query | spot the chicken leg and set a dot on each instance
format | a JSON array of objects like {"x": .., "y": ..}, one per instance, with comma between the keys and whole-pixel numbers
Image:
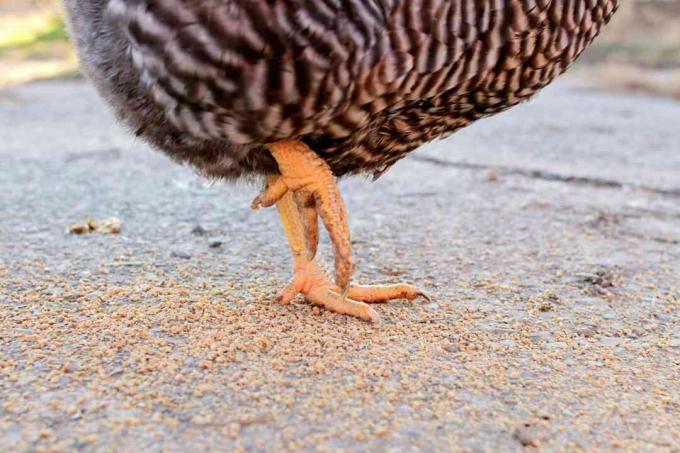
[{"x": 305, "y": 190}]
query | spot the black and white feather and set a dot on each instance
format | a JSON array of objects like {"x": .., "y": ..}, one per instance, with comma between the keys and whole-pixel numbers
[{"x": 363, "y": 82}]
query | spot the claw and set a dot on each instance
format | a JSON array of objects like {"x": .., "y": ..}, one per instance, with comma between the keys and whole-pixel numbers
[
  {"x": 275, "y": 190},
  {"x": 287, "y": 294}
]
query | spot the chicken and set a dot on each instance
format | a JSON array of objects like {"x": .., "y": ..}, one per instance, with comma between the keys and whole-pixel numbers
[{"x": 301, "y": 92}]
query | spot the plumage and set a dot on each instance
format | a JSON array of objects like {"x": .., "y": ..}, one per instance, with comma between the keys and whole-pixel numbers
[{"x": 362, "y": 82}]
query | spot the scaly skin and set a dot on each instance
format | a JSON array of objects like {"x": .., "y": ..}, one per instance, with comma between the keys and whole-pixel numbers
[
  {"x": 304, "y": 191},
  {"x": 303, "y": 172}
]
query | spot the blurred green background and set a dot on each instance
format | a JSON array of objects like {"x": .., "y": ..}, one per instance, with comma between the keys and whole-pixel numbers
[
  {"x": 33, "y": 42},
  {"x": 639, "y": 51}
]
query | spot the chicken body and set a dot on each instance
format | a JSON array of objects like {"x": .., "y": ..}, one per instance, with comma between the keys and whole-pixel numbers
[{"x": 362, "y": 82}]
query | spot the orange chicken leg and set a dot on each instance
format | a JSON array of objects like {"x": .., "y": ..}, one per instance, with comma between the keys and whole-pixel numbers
[{"x": 304, "y": 191}]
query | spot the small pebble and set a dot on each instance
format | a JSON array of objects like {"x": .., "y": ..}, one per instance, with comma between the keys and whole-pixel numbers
[
  {"x": 588, "y": 331},
  {"x": 79, "y": 228},
  {"x": 527, "y": 436},
  {"x": 88, "y": 226},
  {"x": 452, "y": 348},
  {"x": 198, "y": 230},
  {"x": 111, "y": 225}
]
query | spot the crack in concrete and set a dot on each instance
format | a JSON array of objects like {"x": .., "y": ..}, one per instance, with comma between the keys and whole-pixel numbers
[{"x": 548, "y": 176}]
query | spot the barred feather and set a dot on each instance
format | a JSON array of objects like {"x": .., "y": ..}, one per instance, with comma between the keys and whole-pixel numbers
[{"x": 363, "y": 82}]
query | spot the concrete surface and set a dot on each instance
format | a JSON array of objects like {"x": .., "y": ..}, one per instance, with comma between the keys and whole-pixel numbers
[{"x": 549, "y": 235}]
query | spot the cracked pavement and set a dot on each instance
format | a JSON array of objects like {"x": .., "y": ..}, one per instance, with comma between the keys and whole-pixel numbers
[{"x": 549, "y": 236}]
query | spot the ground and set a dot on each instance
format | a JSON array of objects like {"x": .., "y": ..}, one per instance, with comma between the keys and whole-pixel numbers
[{"x": 548, "y": 236}]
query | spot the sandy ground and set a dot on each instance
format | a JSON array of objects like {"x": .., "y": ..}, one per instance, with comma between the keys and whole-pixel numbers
[{"x": 549, "y": 236}]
